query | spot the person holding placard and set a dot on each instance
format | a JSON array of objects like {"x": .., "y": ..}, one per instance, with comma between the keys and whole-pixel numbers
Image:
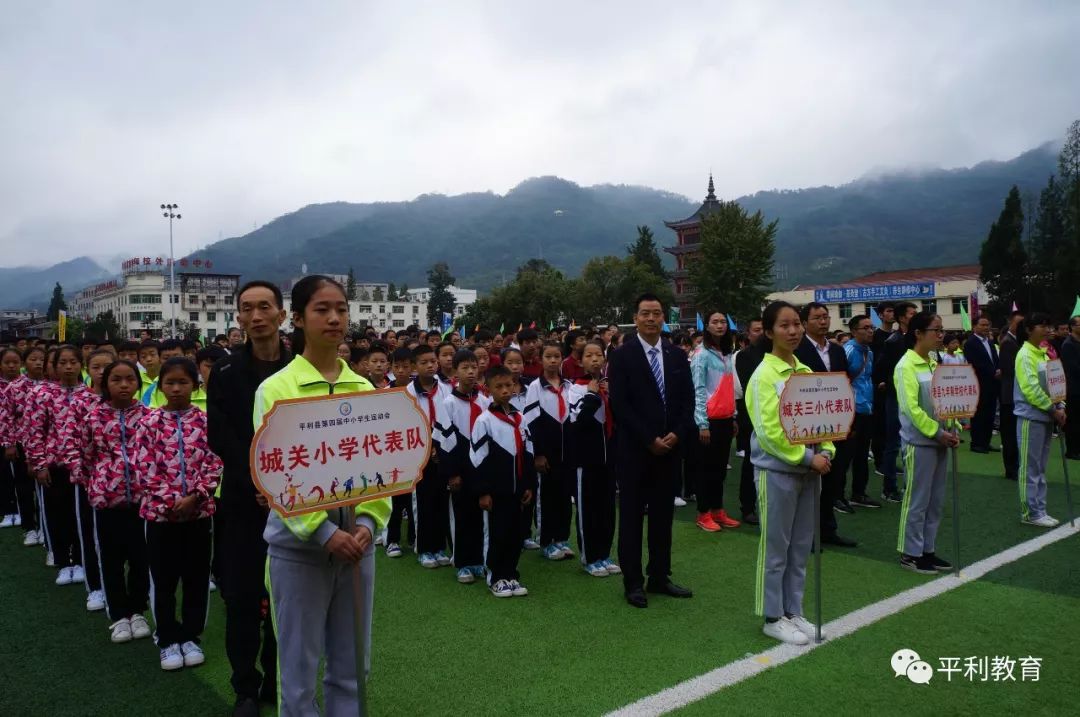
[
  {"x": 311, "y": 556},
  {"x": 1034, "y": 412},
  {"x": 925, "y": 440},
  {"x": 784, "y": 473}
]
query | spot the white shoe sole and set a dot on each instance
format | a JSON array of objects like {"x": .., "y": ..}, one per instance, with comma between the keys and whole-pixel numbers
[
  {"x": 194, "y": 662},
  {"x": 796, "y": 638},
  {"x": 122, "y": 637},
  {"x": 172, "y": 668},
  {"x": 95, "y": 607},
  {"x": 466, "y": 579}
]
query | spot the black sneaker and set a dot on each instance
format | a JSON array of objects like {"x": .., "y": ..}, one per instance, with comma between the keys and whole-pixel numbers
[
  {"x": 893, "y": 497},
  {"x": 916, "y": 565},
  {"x": 751, "y": 519},
  {"x": 864, "y": 501},
  {"x": 942, "y": 566},
  {"x": 842, "y": 506}
]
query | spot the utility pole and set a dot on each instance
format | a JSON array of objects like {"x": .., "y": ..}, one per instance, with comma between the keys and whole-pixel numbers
[{"x": 169, "y": 211}]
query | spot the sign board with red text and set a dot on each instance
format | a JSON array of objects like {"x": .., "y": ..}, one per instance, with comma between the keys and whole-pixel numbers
[
  {"x": 333, "y": 451},
  {"x": 1055, "y": 380},
  {"x": 955, "y": 391},
  {"x": 817, "y": 407}
]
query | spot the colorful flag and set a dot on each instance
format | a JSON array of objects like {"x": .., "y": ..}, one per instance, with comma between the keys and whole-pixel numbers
[
  {"x": 965, "y": 320},
  {"x": 973, "y": 304},
  {"x": 1014, "y": 308},
  {"x": 1076, "y": 309},
  {"x": 532, "y": 325},
  {"x": 519, "y": 327},
  {"x": 476, "y": 328},
  {"x": 61, "y": 326},
  {"x": 700, "y": 323}
]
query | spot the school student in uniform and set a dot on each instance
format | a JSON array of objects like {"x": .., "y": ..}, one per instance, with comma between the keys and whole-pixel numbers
[
  {"x": 10, "y": 465},
  {"x": 179, "y": 475},
  {"x": 312, "y": 556},
  {"x": 591, "y": 430},
  {"x": 513, "y": 359},
  {"x": 29, "y": 494},
  {"x": 150, "y": 361},
  {"x": 110, "y": 469},
  {"x": 547, "y": 402},
  {"x": 458, "y": 416},
  {"x": 502, "y": 481},
  {"x": 431, "y": 506},
  {"x": 403, "y": 367},
  {"x": 1035, "y": 415},
  {"x": 925, "y": 443},
  {"x": 787, "y": 479},
  {"x": 378, "y": 366}
]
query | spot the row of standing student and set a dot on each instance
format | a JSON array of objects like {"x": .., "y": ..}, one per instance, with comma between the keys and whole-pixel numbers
[{"x": 124, "y": 492}]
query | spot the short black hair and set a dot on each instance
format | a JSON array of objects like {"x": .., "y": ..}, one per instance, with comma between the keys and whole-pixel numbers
[
  {"x": 129, "y": 346},
  {"x": 379, "y": 348},
  {"x": 483, "y": 335},
  {"x": 404, "y": 354},
  {"x": 527, "y": 335},
  {"x": 421, "y": 350},
  {"x": 902, "y": 308},
  {"x": 171, "y": 345},
  {"x": 257, "y": 283},
  {"x": 188, "y": 345},
  {"x": 497, "y": 371},
  {"x": 647, "y": 296},
  {"x": 151, "y": 344},
  {"x": 884, "y": 306},
  {"x": 112, "y": 367},
  {"x": 210, "y": 353},
  {"x": 358, "y": 354},
  {"x": 856, "y": 320},
  {"x": 87, "y": 341},
  {"x": 804, "y": 312},
  {"x": 463, "y": 355}
]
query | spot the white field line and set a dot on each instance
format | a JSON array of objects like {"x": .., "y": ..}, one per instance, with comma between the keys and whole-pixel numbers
[{"x": 711, "y": 682}]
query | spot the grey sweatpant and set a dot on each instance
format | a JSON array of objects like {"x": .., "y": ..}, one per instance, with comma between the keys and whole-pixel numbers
[
  {"x": 312, "y": 609},
  {"x": 1033, "y": 437},
  {"x": 920, "y": 514},
  {"x": 786, "y": 511}
]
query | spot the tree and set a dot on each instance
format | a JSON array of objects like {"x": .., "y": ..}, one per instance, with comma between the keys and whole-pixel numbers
[
  {"x": 733, "y": 270},
  {"x": 391, "y": 292},
  {"x": 57, "y": 303},
  {"x": 363, "y": 295},
  {"x": 1052, "y": 270},
  {"x": 350, "y": 285},
  {"x": 1003, "y": 259},
  {"x": 441, "y": 299},
  {"x": 644, "y": 252},
  {"x": 104, "y": 326},
  {"x": 377, "y": 294},
  {"x": 403, "y": 292},
  {"x": 608, "y": 285},
  {"x": 186, "y": 330}
]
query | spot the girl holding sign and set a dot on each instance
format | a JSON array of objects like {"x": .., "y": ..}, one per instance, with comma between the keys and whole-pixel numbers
[
  {"x": 925, "y": 440},
  {"x": 784, "y": 473},
  {"x": 1034, "y": 411},
  {"x": 311, "y": 556}
]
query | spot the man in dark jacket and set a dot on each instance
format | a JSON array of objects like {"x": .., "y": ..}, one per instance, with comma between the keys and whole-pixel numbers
[
  {"x": 982, "y": 354},
  {"x": 1010, "y": 346},
  {"x": 241, "y": 515},
  {"x": 894, "y": 350},
  {"x": 886, "y": 312},
  {"x": 746, "y": 361},
  {"x": 821, "y": 356},
  {"x": 1070, "y": 360}
]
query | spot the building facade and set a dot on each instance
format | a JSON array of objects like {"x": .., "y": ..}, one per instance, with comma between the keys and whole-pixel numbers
[
  {"x": 947, "y": 291},
  {"x": 462, "y": 297},
  {"x": 688, "y": 237},
  {"x": 380, "y": 315}
]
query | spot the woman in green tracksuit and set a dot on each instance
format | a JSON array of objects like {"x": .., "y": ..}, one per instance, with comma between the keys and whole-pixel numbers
[
  {"x": 1034, "y": 412},
  {"x": 925, "y": 442},
  {"x": 310, "y": 557},
  {"x": 785, "y": 475}
]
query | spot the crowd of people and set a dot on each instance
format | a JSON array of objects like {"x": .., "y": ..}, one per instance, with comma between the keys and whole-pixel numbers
[{"x": 129, "y": 462}]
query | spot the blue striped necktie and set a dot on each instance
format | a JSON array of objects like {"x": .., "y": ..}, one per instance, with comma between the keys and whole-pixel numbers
[{"x": 657, "y": 372}]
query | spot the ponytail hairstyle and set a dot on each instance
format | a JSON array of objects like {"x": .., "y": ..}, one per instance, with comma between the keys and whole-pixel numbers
[
  {"x": 300, "y": 297},
  {"x": 768, "y": 320},
  {"x": 919, "y": 322},
  {"x": 725, "y": 344},
  {"x": 109, "y": 369}
]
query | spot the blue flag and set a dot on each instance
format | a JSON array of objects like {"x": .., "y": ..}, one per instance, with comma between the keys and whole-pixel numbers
[
  {"x": 700, "y": 323},
  {"x": 731, "y": 323},
  {"x": 462, "y": 331},
  {"x": 874, "y": 318},
  {"x": 665, "y": 328},
  {"x": 446, "y": 320}
]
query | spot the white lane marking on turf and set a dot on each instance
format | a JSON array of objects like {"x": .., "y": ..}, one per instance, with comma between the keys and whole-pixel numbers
[{"x": 702, "y": 686}]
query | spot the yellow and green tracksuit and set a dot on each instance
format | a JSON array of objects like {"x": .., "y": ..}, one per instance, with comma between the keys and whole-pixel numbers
[
  {"x": 1032, "y": 406},
  {"x": 311, "y": 591},
  {"x": 925, "y": 460},
  {"x": 785, "y": 488}
]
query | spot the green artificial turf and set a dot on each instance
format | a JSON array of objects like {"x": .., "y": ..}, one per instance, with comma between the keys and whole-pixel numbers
[{"x": 574, "y": 647}]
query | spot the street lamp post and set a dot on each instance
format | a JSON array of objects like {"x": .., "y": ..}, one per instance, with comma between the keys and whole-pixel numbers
[{"x": 170, "y": 212}]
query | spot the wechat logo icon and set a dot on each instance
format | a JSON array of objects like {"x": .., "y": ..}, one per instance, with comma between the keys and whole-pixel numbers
[{"x": 906, "y": 662}]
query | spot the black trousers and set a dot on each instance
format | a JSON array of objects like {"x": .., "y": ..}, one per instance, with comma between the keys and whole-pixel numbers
[
  {"x": 60, "y": 518},
  {"x": 431, "y": 510},
  {"x": 879, "y": 423},
  {"x": 711, "y": 464},
  {"x": 832, "y": 487},
  {"x": 467, "y": 529},
  {"x": 859, "y": 443},
  {"x": 121, "y": 549},
  {"x": 646, "y": 480},
  {"x": 87, "y": 542},
  {"x": 400, "y": 503},
  {"x": 502, "y": 535},
  {"x": 595, "y": 502},
  {"x": 1072, "y": 430},
  {"x": 553, "y": 508},
  {"x": 747, "y": 489},
  {"x": 1010, "y": 453},
  {"x": 528, "y": 517},
  {"x": 249, "y": 633},
  {"x": 982, "y": 423},
  {"x": 179, "y": 557},
  {"x": 24, "y": 489}
]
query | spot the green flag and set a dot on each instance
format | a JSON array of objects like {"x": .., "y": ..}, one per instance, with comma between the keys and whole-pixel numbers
[
  {"x": 1076, "y": 309},
  {"x": 965, "y": 320},
  {"x": 551, "y": 324},
  {"x": 502, "y": 327}
]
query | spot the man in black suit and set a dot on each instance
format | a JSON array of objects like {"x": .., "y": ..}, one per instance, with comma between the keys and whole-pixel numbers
[
  {"x": 652, "y": 401},
  {"x": 1070, "y": 361},
  {"x": 886, "y": 312},
  {"x": 982, "y": 354},
  {"x": 1007, "y": 350},
  {"x": 822, "y": 355}
]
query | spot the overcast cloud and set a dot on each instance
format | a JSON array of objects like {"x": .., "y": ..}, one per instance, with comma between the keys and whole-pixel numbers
[{"x": 242, "y": 111}]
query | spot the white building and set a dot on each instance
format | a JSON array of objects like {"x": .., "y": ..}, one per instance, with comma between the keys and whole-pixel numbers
[
  {"x": 140, "y": 299},
  {"x": 462, "y": 297},
  {"x": 943, "y": 290},
  {"x": 380, "y": 315}
]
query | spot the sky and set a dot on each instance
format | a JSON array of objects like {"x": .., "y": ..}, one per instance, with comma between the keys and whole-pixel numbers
[{"x": 242, "y": 111}]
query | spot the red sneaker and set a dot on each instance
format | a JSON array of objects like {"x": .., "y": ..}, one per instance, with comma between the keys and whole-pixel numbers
[
  {"x": 725, "y": 521},
  {"x": 705, "y": 522}
]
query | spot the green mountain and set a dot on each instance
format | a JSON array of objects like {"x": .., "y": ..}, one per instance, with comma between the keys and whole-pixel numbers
[{"x": 30, "y": 287}]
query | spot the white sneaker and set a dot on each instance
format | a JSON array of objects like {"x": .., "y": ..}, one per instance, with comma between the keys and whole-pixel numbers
[
  {"x": 8, "y": 521},
  {"x": 805, "y": 626},
  {"x": 172, "y": 658},
  {"x": 139, "y": 627},
  {"x": 679, "y": 502},
  {"x": 18, "y": 520},
  {"x": 518, "y": 589},
  {"x": 64, "y": 577},
  {"x": 95, "y": 601},
  {"x": 380, "y": 539},
  {"x": 784, "y": 631},
  {"x": 213, "y": 586},
  {"x": 121, "y": 630},
  {"x": 193, "y": 654},
  {"x": 78, "y": 575},
  {"x": 1054, "y": 520},
  {"x": 502, "y": 589},
  {"x": 49, "y": 561},
  {"x": 31, "y": 538},
  {"x": 1041, "y": 522}
]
